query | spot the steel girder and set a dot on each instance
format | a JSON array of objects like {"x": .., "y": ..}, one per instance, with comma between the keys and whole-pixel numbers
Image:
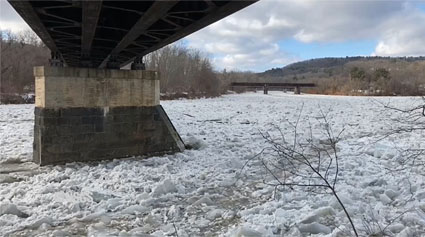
[{"x": 93, "y": 33}]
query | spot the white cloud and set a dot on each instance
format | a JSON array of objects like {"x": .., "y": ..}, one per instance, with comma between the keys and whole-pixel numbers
[
  {"x": 9, "y": 19},
  {"x": 256, "y": 31},
  {"x": 249, "y": 39},
  {"x": 404, "y": 35}
]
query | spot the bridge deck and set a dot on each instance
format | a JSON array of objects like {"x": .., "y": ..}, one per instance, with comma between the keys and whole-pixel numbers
[
  {"x": 271, "y": 84},
  {"x": 94, "y": 33}
]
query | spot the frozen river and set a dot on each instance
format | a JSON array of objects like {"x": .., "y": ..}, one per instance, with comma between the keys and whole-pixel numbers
[{"x": 221, "y": 186}]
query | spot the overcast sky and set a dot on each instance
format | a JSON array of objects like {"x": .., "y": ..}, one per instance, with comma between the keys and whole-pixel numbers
[{"x": 274, "y": 33}]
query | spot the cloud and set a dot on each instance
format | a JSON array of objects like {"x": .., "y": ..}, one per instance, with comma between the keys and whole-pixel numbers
[
  {"x": 9, "y": 19},
  {"x": 249, "y": 39},
  {"x": 403, "y": 35}
]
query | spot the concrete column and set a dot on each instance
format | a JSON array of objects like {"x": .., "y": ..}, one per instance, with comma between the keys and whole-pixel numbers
[
  {"x": 297, "y": 90},
  {"x": 266, "y": 89},
  {"x": 85, "y": 114}
]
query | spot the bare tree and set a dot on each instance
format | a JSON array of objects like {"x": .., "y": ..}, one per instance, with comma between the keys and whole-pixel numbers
[
  {"x": 405, "y": 120},
  {"x": 20, "y": 52},
  {"x": 304, "y": 161},
  {"x": 184, "y": 71}
]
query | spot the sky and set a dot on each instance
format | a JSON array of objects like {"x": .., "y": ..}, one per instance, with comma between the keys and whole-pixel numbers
[{"x": 275, "y": 33}]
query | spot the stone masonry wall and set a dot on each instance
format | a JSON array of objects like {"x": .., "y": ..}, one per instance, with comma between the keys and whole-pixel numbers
[
  {"x": 86, "y": 114},
  {"x": 88, "y": 134},
  {"x": 59, "y": 87}
]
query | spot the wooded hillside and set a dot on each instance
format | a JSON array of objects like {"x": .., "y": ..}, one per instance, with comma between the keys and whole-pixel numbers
[
  {"x": 356, "y": 75},
  {"x": 184, "y": 72}
]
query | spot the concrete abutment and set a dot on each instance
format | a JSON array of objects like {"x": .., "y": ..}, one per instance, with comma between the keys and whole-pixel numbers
[{"x": 86, "y": 114}]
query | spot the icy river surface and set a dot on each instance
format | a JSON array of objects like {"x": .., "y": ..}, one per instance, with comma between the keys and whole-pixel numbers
[{"x": 221, "y": 186}]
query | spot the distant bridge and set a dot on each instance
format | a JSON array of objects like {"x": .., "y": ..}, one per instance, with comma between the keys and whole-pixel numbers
[{"x": 270, "y": 85}]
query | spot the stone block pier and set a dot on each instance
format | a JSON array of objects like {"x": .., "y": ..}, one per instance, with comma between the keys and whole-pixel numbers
[{"x": 88, "y": 114}]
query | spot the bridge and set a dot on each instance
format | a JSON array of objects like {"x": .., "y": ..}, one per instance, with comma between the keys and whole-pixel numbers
[
  {"x": 273, "y": 85},
  {"x": 86, "y": 107},
  {"x": 112, "y": 34}
]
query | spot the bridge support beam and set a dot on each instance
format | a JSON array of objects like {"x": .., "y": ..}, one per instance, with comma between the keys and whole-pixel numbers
[
  {"x": 86, "y": 114},
  {"x": 266, "y": 89},
  {"x": 297, "y": 90}
]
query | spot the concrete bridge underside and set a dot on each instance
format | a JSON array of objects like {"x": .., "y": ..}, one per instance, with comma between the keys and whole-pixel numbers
[
  {"x": 94, "y": 33},
  {"x": 86, "y": 108}
]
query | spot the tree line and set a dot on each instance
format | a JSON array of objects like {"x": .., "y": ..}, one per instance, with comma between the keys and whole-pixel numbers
[
  {"x": 20, "y": 52},
  {"x": 187, "y": 72},
  {"x": 184, "y": 72},
  {"x": 353, "y": 75}
]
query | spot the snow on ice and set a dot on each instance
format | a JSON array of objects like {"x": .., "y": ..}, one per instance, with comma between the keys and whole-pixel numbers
[{"x": 216, "y": 188}]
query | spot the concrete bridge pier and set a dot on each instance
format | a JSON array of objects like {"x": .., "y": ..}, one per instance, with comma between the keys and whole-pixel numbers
[
  {"x": 266, "y": 89},
  {"x": 88, "y": 114},
  {"x": 297, "y": 90}
]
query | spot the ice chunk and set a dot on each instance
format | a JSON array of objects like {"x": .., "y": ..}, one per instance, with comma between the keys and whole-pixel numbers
[
  {"x": 152, "y": 220},
  {"x": 60, "y": 233},
  {"x": 97, "y": 197},
  {"x": 280, "y": 215},
  {"x": 385, "y": 199},
  {"x": 324, "y": 211},
  {"x": 202, "y": 223},
  {"x": 407, "y": 232},
  {"x": 142, "y": 197},
  {"x": 396, "y": 227},
  {"x": 245, "y": 231},
  {"x": 92, "y": 216},
  {"x": 167, "y": 186},
  {"x": 135, "y": 209},
  {"x": 391, "y": 193},
  {"x": 195, "y": 143},
  {"x": 204, "y": 200},
  {"x": 314, "y": 228},
  {"x": 41, "y": 221},
  {"x": 344, "y": 199},
  {"x": 213, "y": 214},
  {"x": 11, "y": 209}
]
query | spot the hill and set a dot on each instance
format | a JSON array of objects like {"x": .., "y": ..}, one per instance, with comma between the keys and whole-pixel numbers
[
  {"x": 356, "y": 75},
  {"x": 329, "y": 64}
]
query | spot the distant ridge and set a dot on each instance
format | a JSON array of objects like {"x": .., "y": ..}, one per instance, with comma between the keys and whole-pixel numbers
[
  {"x": 325, "y": 65},
  {"x": 354, "y": 75}
]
